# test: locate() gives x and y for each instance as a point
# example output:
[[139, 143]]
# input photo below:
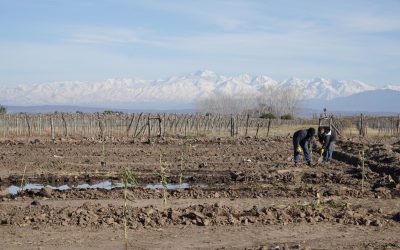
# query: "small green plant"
[[361, 155], [211, 183], [163, 174], [268, 116], [128, 179]]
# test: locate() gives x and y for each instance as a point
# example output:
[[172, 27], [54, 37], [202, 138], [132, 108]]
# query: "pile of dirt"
[[381, 158], [95, 215]]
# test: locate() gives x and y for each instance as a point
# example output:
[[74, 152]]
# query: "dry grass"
[[353, 132], [275, 130]]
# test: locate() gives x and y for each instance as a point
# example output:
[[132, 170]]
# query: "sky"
[[93, 40]]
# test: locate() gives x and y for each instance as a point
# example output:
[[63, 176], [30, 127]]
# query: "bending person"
[[302, 139], [328, 142]]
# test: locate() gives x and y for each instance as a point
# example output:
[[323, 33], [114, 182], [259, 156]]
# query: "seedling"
[[128, 179], [162, 173], [361, 155], [22, 180], [185, 155]]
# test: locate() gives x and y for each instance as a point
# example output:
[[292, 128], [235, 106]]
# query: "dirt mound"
[[95, 215]]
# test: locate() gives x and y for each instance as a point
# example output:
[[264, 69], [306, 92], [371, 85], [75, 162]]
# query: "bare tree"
[[274, 99], [226, 104], [279, 101]]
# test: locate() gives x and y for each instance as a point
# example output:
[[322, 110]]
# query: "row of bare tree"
[[273, 99], [121, 125], [139, 125]]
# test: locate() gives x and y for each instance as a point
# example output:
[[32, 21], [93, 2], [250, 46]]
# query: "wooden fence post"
[[137, 125], [52, 129], [28, 125], [398, 125], [258, 127], [159, 126], [269, 126], [232, 126], [247, 124], [128, 129], [361, 125], [101, 126], [148, 130], [65, 125]]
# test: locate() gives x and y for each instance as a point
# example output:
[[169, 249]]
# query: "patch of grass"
[[391, 245], [334, 204], [211, 183]]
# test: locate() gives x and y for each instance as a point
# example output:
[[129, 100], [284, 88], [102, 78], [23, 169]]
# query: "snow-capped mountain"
[[382, 101], [320, 88], [176, 91], [393, 87]]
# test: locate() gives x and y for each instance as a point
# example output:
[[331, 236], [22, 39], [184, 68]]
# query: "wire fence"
[[148, 125]]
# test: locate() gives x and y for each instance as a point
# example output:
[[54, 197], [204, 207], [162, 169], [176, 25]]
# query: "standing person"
[[327, 140], [302, 140]]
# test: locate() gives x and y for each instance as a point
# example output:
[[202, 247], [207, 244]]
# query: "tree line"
[[274, 100]]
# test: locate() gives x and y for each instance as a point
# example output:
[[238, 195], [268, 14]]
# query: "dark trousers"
[[303, 146], [329, 151]]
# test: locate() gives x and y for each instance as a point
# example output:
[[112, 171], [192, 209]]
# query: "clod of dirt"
[[237, 176], [36, 141], [203, 165], [46, 192], [35, 203]]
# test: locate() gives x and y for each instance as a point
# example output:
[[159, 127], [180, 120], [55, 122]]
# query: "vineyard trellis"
[[147, 125], [365, 125], [120, 125]]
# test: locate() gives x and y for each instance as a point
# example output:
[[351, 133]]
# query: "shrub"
[[287, 117], [268, 116], [110, 112], [3, 109]]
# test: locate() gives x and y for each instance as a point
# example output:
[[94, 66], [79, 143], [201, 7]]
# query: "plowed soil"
[[240, 193]]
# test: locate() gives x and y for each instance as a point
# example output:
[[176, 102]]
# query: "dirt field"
[[242, 193]]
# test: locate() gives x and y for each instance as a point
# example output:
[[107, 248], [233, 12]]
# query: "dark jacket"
[[300, 137], [328, 138]]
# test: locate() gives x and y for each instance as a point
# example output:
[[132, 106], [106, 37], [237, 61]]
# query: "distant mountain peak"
[[172, 91], [392, 87], [205, 73]]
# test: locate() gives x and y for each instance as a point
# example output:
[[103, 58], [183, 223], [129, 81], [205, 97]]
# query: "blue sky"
[[92, 40]]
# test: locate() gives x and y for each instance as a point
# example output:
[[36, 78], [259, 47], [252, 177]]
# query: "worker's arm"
[[326, 142]]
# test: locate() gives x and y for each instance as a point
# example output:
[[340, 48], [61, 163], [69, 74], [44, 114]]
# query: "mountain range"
[[379, 101], [182, 92]]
